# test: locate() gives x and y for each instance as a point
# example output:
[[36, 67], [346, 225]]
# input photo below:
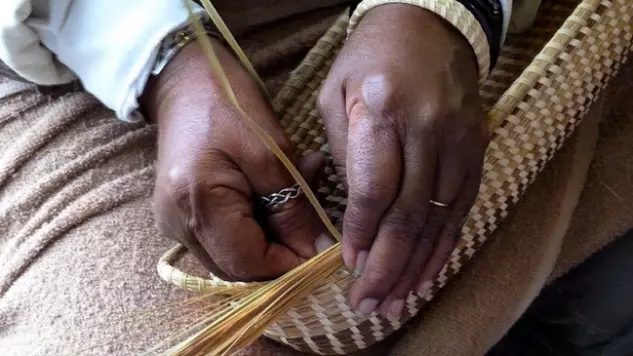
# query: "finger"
[[295, 223], [331, 106], [374, 162], [449, 180], [234, 240], [199, 252], [391, 307], [451, 231], [400, 229], [172, 219]]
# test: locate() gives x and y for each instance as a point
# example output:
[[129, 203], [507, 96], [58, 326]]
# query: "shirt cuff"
[[114, 59]]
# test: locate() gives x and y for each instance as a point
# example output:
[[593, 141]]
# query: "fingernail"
[[348, 256], [395, 309], [360, 262], [323, 242], [424, 289], [367, 306]]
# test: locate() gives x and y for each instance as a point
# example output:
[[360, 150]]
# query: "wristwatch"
[[176, 40]]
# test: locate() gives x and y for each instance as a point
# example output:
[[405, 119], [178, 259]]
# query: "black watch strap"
[[490, 16]]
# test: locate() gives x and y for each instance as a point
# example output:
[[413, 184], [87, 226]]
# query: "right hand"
[[211, 169]]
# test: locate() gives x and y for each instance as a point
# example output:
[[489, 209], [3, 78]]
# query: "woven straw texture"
[[544, 83]]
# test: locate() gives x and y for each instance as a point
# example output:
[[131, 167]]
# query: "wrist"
[[453, 12], [185, 77], [442, 40]]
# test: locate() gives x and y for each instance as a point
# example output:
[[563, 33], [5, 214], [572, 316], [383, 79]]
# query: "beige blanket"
[[78, 246]]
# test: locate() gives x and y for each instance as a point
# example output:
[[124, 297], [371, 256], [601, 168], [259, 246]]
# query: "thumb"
[[297, 225]]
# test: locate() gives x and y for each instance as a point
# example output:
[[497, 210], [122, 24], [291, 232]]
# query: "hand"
[[406, 126], [211, 169]]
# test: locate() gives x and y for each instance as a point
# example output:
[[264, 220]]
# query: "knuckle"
[[367, 193], [171, 204], [424, 131], [381, 93], [434, 109], [174, 184], [363, 194], [177, 225], [403, 223], [387, 129], [427, 126], [354, 227]]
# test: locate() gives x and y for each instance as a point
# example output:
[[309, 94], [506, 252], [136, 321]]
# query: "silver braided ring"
[[280, 198], [438, 204]]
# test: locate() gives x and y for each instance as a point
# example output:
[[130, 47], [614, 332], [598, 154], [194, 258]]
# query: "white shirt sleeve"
[[109, 45]]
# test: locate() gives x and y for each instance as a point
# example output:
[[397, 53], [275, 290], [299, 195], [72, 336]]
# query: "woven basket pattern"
[[543, 85]]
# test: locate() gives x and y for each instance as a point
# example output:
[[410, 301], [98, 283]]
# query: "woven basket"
[[543, 84]]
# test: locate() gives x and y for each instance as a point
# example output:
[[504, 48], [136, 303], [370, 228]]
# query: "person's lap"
[[78, 243]]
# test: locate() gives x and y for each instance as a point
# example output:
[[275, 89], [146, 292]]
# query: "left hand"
[[212, 172], [406, 127]]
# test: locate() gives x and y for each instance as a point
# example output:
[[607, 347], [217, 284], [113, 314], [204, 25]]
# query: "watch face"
[[176, 40]]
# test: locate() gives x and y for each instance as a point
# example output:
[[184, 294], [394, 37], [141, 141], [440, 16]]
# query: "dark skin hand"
[[406, 126], [211, 169]]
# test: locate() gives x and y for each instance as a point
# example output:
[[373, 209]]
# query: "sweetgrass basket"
[[543, 84]]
